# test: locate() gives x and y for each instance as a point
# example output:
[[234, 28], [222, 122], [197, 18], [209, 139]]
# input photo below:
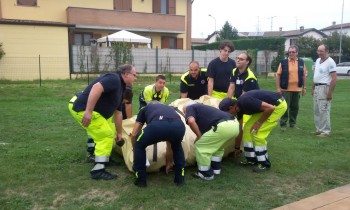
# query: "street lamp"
[[272, 17], [214, 22]]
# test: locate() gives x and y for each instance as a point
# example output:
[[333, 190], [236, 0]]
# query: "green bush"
[[273, 43], [2, 52]]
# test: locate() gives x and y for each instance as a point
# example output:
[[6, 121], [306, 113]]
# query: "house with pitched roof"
[[291, 36], [344, 28]]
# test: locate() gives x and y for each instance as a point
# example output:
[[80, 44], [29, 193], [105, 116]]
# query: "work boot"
[[102, 174], [261, 168], [140, 183], [247, 163]]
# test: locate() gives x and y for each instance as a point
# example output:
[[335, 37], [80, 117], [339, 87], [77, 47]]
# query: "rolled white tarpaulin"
[[156, 154]]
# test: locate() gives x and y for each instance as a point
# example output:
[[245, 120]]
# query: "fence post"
[[70, 61], [87, 69], [193, 54], [157, 60], [39, 71]]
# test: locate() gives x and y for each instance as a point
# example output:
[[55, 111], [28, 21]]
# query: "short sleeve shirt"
[[241, 84], [322, 70], [221, 73], [195, 88], [111, 98], [156, 112], [250, 102], [206, 116]]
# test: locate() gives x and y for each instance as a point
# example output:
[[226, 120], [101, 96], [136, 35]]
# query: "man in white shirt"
[[323, 86]]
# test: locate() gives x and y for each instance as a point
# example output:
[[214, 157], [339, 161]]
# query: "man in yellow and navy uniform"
[[214, 130], [155, 92], [194, 83], [94, 109], [163, 124], [127, 113], [265, 108], [242, 80]]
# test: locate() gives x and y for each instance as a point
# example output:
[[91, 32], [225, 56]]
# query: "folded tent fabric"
[[187, 143]]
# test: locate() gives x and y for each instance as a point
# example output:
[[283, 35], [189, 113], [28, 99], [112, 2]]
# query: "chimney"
[[280, 28], [301, 28], [333, 23]]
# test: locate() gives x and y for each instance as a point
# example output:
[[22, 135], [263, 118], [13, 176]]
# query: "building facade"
[[29, 28]]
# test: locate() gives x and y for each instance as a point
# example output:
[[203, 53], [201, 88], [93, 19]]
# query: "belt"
[[218, 122], [318, 84]]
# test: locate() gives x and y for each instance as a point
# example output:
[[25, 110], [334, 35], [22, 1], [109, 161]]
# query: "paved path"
[[336, 199]]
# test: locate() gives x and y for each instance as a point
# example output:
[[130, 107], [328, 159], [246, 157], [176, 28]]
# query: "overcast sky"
[[256, 15]]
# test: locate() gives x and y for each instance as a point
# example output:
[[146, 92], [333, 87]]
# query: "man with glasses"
[[290, 82], [96, 107], [219, 71], [323, 85], [242, 80]]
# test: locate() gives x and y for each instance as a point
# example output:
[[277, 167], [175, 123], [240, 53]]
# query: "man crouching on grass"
[[214, 130]]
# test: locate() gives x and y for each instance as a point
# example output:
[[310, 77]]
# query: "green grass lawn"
[[42, 158]]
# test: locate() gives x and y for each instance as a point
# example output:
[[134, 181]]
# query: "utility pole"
[[341, 32]]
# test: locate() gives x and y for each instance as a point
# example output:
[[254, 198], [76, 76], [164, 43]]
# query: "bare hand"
[[86, 120], [255, 128], [169, 168]]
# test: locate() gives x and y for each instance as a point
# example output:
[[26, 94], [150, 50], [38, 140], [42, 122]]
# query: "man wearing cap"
[[155, 92], [94, 110], [265, 108], [214, 130], [163, 124], [194, 83]]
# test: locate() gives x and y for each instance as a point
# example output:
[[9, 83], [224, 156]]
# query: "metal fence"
[[84, 61], [154, 61]]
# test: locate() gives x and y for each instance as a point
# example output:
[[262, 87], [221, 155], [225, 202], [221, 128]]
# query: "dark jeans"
[[156, 131], [292, 99]]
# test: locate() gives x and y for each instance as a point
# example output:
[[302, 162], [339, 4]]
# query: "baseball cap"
[[226, 103]]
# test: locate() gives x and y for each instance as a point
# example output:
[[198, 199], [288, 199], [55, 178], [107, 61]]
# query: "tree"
[[333, 42], [227, 32], [2, 52], [308, 46]]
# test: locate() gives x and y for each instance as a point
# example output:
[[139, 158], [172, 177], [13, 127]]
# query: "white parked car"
[[343, 68]]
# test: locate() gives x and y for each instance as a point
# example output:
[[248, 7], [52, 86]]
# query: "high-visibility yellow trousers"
[[102, 130], [255, 145]]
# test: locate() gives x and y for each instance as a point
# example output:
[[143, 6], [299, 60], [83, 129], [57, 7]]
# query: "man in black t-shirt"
[[163, 124], [265, 108], [220, 70], [214, 130], [194, 83]]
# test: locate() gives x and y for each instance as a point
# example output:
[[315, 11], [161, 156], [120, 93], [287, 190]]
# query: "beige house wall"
[[49, 10], [23, 45]]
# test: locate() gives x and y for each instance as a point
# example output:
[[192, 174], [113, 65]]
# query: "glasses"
[[291, 52], [240, 59], [132, 74]]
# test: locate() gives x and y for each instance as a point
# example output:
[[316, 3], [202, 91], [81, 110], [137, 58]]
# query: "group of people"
[[245, 112]]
